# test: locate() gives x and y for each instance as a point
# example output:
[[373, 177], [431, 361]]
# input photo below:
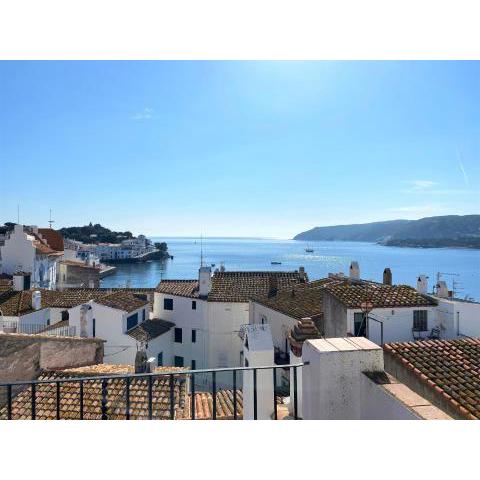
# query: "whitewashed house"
[[26, 249], [209, 312]]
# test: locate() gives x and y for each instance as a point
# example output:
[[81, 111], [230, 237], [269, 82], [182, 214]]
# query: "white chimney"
[[85, 316], [258, 351], [442, 289], [354, 271], [204, 281], [422, 284], [37, 300]]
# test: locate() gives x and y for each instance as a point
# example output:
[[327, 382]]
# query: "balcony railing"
[[93, 397], [36, 329]]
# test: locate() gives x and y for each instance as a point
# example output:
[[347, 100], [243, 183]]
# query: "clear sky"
[[237, 148]]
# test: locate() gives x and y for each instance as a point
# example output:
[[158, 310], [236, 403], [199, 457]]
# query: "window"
[[264, 319], [420, 320], [132, 321], [143, 315], [194, 365], [178, 361], [359, 325], [93, 328], [246, 363], [178, 335], [168, 303], [65, 315], [194, 336], [194, 305], [160, 359]]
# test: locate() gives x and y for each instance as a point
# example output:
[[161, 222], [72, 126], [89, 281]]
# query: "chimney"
[[204, 281], [272, 285], [354, 271], [442, 289], [141, 362], [301, 274], [387, 276], [422, 284], [84, 314], [37, 300], [21, 281]]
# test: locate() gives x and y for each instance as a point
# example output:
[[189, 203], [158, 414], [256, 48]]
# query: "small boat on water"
[[276, 263], [309, 250]]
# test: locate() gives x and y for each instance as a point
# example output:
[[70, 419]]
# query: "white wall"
[[397, 323], [280, 324], [457, 317]]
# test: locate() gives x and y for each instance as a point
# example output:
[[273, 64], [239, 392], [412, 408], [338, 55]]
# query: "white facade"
[[334, 386], [258, 352], [20, 254], [110, 324], [215, 343], [458, 318]]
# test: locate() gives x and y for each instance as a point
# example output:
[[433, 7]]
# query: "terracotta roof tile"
[[52, 238], [241, 286], [204, 405], [300, 301], [150, 329], [451, 368], [92, 396], [353, 293], [181, 288], [125, 301]]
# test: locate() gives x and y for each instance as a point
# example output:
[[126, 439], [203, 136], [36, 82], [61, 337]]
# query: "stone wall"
[[23, 357]]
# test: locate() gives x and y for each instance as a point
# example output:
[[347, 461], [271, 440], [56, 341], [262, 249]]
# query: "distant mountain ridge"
[[441, 231]]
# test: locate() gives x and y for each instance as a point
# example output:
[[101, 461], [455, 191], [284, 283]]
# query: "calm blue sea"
[[257, 254]]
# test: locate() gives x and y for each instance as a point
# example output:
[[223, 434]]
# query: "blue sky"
[[237, 148]]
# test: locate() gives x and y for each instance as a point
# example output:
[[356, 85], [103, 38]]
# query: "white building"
[[209, 312], [27, 249]]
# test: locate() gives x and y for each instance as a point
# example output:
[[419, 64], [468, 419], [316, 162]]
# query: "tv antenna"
[[455, 284], [201, 250], [51, 221]]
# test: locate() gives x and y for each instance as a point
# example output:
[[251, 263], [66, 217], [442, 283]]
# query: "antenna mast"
[[201, 250], [51, 221]]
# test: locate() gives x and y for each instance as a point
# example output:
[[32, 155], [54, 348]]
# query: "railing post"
[[9, 402], [172, 398], [214, 395], [34, 394], [234, 394], [127, 398], [275, 412], [150, 392], [104, 399], [58, 400], [81, 399], [295, 400], [192, 391], [254, 393]]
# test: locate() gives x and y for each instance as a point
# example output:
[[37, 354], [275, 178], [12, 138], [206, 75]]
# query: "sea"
[[458, 267]]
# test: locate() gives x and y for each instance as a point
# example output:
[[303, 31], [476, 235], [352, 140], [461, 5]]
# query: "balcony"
[[170, 394], [60, 330]]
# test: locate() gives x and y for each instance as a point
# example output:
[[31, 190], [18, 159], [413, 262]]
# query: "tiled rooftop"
[[300, 301], [224, 409], [92, 394], [232, 286], [241, 286], [353, 293], [450, 368], [53, 238], [150, 329], [15, 303], [126, 301], [181, 288]]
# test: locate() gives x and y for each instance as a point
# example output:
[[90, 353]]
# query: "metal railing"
[[8, 326], [102, 381]]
